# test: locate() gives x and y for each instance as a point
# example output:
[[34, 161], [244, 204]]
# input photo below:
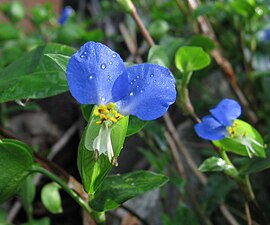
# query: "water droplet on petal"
[[82, 55], [103, 99], [103, 66], [110, 63], [131, 83], [131, 93], [114, 55], [141, 91], [92, 76], [151, 75], [137, 76]]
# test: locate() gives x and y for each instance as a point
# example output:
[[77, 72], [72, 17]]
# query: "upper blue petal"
[[151, 91], [226, 111], [92, 72], [210, 129]]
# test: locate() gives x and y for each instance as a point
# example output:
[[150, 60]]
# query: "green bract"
[[246, 142]]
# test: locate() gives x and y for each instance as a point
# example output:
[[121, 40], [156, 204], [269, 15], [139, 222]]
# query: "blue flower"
[[97, 75], [219, 124], [65, 14]]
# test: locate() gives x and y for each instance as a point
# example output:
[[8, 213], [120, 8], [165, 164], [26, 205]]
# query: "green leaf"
[[94, 171], [248, 142], [214, 164], [42, 221], [34, 75], [202, 41], [158, 28], [61, 60], [70, 33], [135, 125], [16, 160], [51, 198], [14, 10], [117, 189], [86, 111], [8, 32], [27, 194], [188, 59], [243, 7], [158, 55], [41, 13], [254, 165]]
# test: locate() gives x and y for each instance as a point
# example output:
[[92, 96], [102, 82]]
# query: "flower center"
[[108, 116], [107, 113], [238, 134], [233, 129]]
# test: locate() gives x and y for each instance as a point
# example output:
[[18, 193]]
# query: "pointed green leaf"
[[16, 160], [61, 60], [27, 194], [51, 198], [117, 189], [255, 165], [188, 59], [34, 75], [135, 125]]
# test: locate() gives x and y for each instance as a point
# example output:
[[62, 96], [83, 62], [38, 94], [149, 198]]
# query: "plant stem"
[[56, 179], [248, 216]]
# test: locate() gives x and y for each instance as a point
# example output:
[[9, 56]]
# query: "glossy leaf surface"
[[16, 160], [34, 75], [117, 189]]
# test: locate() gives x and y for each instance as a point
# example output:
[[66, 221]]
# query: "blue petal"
[[151, 91], [92, 72], [65, 14], [210, 129], [226, 111]]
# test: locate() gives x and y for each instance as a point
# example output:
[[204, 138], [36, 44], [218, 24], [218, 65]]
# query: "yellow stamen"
[[107, 113]]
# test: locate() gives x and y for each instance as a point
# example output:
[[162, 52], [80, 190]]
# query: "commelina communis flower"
[[97, 75]]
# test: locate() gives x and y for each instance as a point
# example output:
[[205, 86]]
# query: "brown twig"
[[223, 63], [248, 216], [171, 127]]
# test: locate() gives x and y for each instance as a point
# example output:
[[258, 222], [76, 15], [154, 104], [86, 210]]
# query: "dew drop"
[[103, 99], [114, 55], [134, 80], [131, 83], [92, 76], [82, 55], [131, 93], [151, 75], [137, 76], [110, 63], [141, 91], [103, 66]]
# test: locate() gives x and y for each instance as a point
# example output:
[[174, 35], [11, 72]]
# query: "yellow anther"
[[113, 119], [232, 131], [107, 113], [110, 106]]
